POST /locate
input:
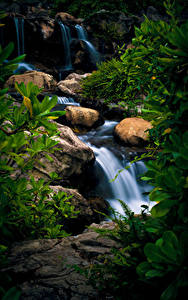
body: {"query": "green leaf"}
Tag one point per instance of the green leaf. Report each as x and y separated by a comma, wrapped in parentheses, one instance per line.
(6, 52)
(19, 88)
(162, 208)
(143, 268)
(49, 157)
(3, 92)
(157, 195)
(171, 247)
(12, 294)
(153, 253)
(170, 293)
(154, 273)
(16, 60)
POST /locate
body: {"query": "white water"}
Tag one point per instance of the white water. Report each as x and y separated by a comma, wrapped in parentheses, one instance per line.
(82, 36)
(126, 186)
(23, 67)
(19, 24)
(67, 101)
(66, 40)
(64, 101)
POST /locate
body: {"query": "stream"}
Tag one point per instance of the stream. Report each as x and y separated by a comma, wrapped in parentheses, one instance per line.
(111, 158)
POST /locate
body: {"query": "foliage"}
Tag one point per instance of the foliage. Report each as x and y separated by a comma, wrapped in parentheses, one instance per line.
(7, 67)
(87, 7)
(159, 263)
(105, 83)
(131, 78)
(127, 73)
(116, 274)
(25, 208)
(28, 208)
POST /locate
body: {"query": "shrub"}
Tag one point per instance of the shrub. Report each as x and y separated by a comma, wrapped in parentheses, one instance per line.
(87, 7)
(106, 83)
(153, 258)
(25, 209)
(26, 130)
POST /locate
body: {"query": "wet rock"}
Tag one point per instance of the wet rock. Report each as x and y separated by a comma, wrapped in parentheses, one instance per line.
(71, 85)
(82, 116)
(42, 80)
(133, 131)
(72, 158)
(67, 19)
(43, 269)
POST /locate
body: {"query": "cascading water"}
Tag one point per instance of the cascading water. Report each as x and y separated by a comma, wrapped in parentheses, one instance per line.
(62, 102)
(23, 67)
(67, 101)
(109, 160)
(82, 36)
(66, 40)
(19, 24)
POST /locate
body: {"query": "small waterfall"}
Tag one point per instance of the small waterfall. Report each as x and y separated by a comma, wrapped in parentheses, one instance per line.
(23, 67)
(19, 24)
(125, 187)
(67, 101)
(66, 40)
(110, 160)
(82, 36)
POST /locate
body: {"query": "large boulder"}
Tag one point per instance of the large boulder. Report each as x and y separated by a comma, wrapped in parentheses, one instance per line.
(71, 84)
(71, 159)
(42, 80)
(133, 131)
(44, 269)
(82, 116)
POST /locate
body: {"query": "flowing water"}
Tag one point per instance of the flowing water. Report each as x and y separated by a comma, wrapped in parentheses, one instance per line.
(62, 102)
(19, 24)
(111, 158)
(67, 101)
(66, 40)
(23, 67)
(82, 36)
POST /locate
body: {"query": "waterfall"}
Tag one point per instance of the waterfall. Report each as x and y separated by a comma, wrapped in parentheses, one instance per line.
(19, 24)
(64, 101)
(82, 36)
(67, 101)
(110, 160)
(125, 187)
(23, 67)
(66, 40)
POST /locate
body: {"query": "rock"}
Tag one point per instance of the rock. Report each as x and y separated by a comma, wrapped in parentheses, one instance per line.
(47, 29)
(133, 131)
(67, 19)
(38, 78)
(72, 158)
(86, 208)
(109, 29)
(77, 77)
(43, 269)
(71, 85)
(82, 116)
